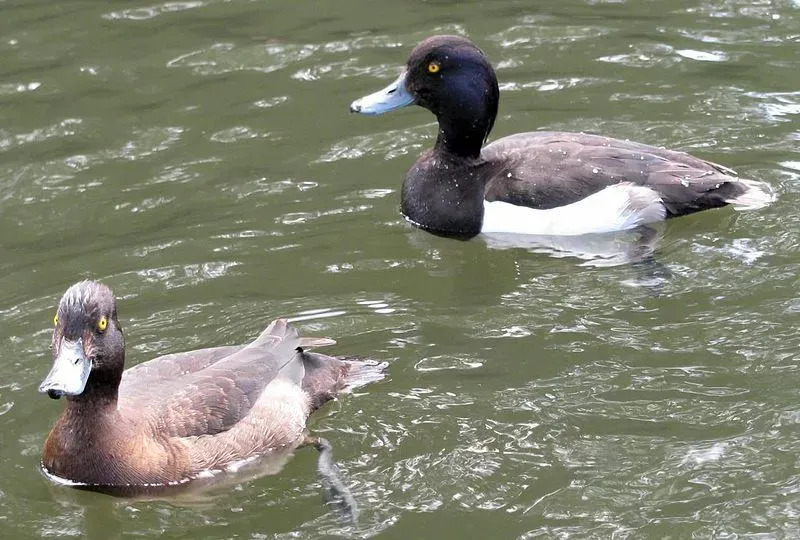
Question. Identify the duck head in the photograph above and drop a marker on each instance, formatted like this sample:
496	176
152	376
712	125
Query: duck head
88	345
451	77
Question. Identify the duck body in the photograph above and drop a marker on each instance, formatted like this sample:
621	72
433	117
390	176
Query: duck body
538	182
166	421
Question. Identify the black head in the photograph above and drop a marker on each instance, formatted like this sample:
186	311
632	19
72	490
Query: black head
88	345
451	77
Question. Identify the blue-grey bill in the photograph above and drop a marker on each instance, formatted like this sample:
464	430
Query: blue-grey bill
70	371
392	97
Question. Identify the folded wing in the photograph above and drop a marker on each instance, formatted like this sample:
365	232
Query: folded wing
186	395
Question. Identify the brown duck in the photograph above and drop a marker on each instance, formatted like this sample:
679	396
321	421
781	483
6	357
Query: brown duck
166	421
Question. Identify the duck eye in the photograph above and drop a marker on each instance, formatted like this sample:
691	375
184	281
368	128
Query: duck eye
434	67
102	324
55	320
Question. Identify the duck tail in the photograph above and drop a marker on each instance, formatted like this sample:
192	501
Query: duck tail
362	372
326	376
277	331
752	195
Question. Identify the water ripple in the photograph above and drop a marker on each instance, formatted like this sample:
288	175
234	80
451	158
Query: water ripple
149	12
15	88
535	32
389	144
222	58
65	128
188	155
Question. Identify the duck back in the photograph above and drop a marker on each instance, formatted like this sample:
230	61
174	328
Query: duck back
545	170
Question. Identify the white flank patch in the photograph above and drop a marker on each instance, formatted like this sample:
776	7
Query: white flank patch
616	208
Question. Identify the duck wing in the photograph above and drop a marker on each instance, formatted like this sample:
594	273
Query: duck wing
172	366
545	170
175	365
214	398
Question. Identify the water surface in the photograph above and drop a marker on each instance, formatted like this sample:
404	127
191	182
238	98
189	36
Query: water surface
198	157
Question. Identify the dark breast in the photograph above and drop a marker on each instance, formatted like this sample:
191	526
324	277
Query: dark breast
444	194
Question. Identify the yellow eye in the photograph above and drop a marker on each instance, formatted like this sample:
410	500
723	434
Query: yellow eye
102	324
55	320
434	67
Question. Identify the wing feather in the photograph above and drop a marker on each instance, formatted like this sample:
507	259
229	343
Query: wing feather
215	397
544	170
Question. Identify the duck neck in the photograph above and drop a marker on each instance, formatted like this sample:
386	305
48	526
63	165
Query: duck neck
461	136
100	394
87	420
466	118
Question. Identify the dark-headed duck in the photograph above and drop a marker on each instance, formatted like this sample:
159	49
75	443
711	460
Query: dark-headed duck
547	183
166	421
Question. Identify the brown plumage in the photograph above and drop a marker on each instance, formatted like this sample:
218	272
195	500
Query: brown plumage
167	420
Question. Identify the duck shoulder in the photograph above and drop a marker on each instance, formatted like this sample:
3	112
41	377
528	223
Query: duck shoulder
546	170
212	398
172	366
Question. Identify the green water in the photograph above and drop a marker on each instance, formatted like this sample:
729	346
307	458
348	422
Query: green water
198	157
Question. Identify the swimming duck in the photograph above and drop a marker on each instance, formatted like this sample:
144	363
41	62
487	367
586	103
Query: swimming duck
545	183
166	421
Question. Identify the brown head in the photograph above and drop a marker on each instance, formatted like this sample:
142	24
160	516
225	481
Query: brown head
88	345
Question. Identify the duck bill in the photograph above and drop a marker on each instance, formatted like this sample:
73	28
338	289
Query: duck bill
392	97
70	371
